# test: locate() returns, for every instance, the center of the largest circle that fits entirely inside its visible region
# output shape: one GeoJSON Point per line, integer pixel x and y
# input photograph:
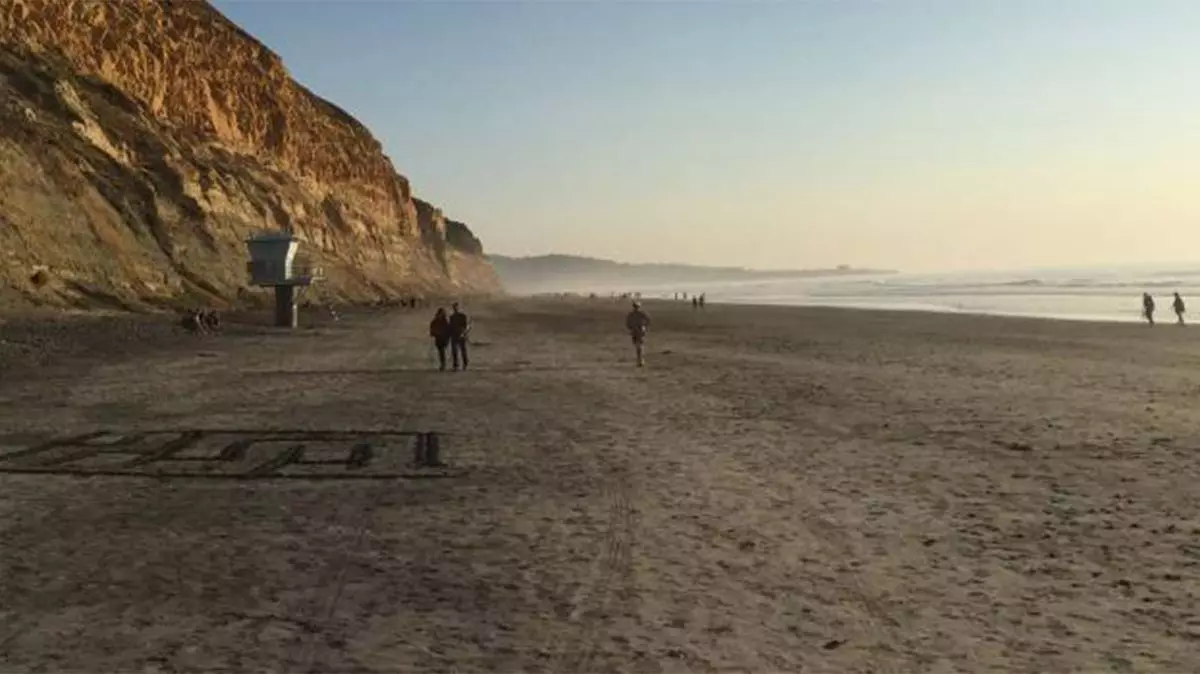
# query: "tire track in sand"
{"type": "Point", "coordinates": [874, 622]}
{"type": "Point", "coordinates": [598, 596]}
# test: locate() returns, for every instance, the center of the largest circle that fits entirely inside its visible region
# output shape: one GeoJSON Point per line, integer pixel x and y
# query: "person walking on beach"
{"type": "Point", "coordinates": [1148, 308]}
{"type": "Point", "coordinates": [460, 328]}
{"type": "Point", "coordinates": [1179, 307]}
{"type": "Point", "coordinates": [439, 330]}
{"type": "Point", "coordinates": [637, 322]}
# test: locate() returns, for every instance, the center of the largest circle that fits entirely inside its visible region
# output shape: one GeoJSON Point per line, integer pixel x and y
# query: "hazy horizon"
{"type": "Point", "coordinates": [921, 136]}
{"type": "Point", "coordinates": [1165, 265]}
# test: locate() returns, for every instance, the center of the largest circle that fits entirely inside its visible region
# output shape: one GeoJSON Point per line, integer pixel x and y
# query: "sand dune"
{"type": "Point", "coordinates": [779, 490]}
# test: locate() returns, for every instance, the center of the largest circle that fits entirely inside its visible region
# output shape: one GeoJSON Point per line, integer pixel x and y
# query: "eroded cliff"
{"type": "Point", "coordinates": [141, 141]}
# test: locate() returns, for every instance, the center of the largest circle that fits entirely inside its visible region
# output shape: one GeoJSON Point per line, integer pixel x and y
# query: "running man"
{"type": "Point", "coordinates": [637, 322]}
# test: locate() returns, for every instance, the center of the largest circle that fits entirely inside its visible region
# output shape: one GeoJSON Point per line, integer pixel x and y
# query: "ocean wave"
{"type": "Point", "coordinates": [1046, 285]}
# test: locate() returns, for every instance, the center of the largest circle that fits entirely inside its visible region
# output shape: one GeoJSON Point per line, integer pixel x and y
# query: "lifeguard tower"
{"type": "Point", "coordinates": [273, 263]}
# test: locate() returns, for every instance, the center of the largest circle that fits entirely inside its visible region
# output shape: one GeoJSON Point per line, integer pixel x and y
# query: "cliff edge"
{"type": "Point", "coordinates": [141, 141]}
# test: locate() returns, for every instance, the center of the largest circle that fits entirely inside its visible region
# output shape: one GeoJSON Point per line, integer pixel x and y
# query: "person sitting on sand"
{"type": "Point", "coordinates": [460, 328]}
{"type": "Point", "coordinates": [1148, 308]}
{"type": "Point", "coordinates": [439, 330]}
{"type": "Point", "coordinates": [210, 320]}
{"type": "Point", "coordinates": [1179, 308]}
{"type": "Point", "coordinates": [637, 322]}
{"type": "Point", "coordinates": [192, 322]}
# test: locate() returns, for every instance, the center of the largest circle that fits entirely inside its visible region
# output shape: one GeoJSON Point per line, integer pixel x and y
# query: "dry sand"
{"type": "Point", "coordinates": [779, 490]}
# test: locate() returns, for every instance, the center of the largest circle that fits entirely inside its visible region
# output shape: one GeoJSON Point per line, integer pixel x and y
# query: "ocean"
{"type": "Point", "coordinates": [1077, 294]}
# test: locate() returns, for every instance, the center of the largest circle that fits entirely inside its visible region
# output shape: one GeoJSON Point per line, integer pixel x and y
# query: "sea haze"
{"type": "Point", "coordinates": [1097, 294]}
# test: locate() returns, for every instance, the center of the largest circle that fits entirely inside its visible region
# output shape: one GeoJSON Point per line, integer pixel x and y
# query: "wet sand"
{"type": "Point", "coordinates": [779, 490]}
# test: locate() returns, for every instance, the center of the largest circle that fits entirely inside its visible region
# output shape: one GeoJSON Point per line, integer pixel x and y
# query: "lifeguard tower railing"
{"type": "Point", "coordinates": [300, 272]}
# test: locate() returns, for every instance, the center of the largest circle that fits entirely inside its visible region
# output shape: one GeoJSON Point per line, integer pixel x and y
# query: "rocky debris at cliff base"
{"type": "Point", "coordinates": [36, 340]}
{"type": "Point", "coordinates": [32, 340]}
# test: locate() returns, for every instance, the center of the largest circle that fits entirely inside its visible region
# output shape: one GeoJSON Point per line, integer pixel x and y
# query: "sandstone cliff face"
{"type": "Point", "coordinates": [459, 236]}
{"type": "Point", "coordinates": [141, 141]}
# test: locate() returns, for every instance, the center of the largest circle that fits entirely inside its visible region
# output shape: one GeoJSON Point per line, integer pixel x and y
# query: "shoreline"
{"type": "Point", "coordinates": [879, 308]}
{"type": "Point", "coordinates": [1078, 318]}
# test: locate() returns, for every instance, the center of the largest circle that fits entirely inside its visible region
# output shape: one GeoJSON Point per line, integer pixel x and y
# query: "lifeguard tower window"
{"type": "Point", "coordinates": [271, 257]}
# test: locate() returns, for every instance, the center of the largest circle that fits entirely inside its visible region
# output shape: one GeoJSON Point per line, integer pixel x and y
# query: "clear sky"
{"type": "Point", "coordinates": [921, 135]}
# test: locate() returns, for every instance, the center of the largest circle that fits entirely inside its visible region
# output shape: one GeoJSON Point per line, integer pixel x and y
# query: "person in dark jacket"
{"type": "Point", "coordinates": [439, 330]}
{"type": "Point", "coordinates": [193, 322]}
{"type": "Point", "coordinates": [1148, 308]}
{"type": "Point", "coordinates": [460, 328]}
{"type": "Point", "coordinates": [211, 320]}
{"type": "Point", "coordinates": [1179, 307]}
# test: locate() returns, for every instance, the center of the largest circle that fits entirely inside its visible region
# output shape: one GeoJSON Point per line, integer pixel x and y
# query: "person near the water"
{"type": "Point", "coordinates": [439, 330]}
{"type": "Point", "coordinates": [1179, 307]}
{"type": "Point", "coordinates": [637, 322]}
{"type": "Point", "coordinates": [460, 328]}
{"type": "Point", "coordinates": [1148, 308]}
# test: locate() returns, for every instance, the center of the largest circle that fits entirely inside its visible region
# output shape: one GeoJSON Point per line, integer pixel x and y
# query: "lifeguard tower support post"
{"type": "Point", "coordinates": [273, 263]}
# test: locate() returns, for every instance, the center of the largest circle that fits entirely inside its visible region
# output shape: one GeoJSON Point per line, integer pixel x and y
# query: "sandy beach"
{"type": "Point", "coordinates": [779, 490]}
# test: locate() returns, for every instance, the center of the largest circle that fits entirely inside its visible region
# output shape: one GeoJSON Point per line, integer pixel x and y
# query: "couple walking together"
{"type": "Point", "coordinates": [450, 331]}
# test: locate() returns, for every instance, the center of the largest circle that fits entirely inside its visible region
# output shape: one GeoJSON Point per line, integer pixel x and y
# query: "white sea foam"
{"type": "Point", "coordinates": [1098, 294]}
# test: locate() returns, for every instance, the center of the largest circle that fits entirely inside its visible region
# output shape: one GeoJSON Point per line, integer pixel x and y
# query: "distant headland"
{"type": "Point", "coordinates": [548, 273]}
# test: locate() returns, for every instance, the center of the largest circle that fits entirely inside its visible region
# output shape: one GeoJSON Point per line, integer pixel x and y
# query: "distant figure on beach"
{"type": "Point", "coordinates": [701, 300]}
{"type": "Point", "coordinates": [1179, 307]}
{"type": "Point", "coordinates": [460, 328]}
{"type": "Point", "coordinates": [695, 302]}
{"type": "Point", "coordinates": [1148, 308]}
{"type": "Point", "coordinates": [637, 323]}
{"type": "Point", "coordinates": [193, 322]}
{"type": "Point", "coordinates": [210, 320]}
{"type": "Point", "coordinates": [439, 330]}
